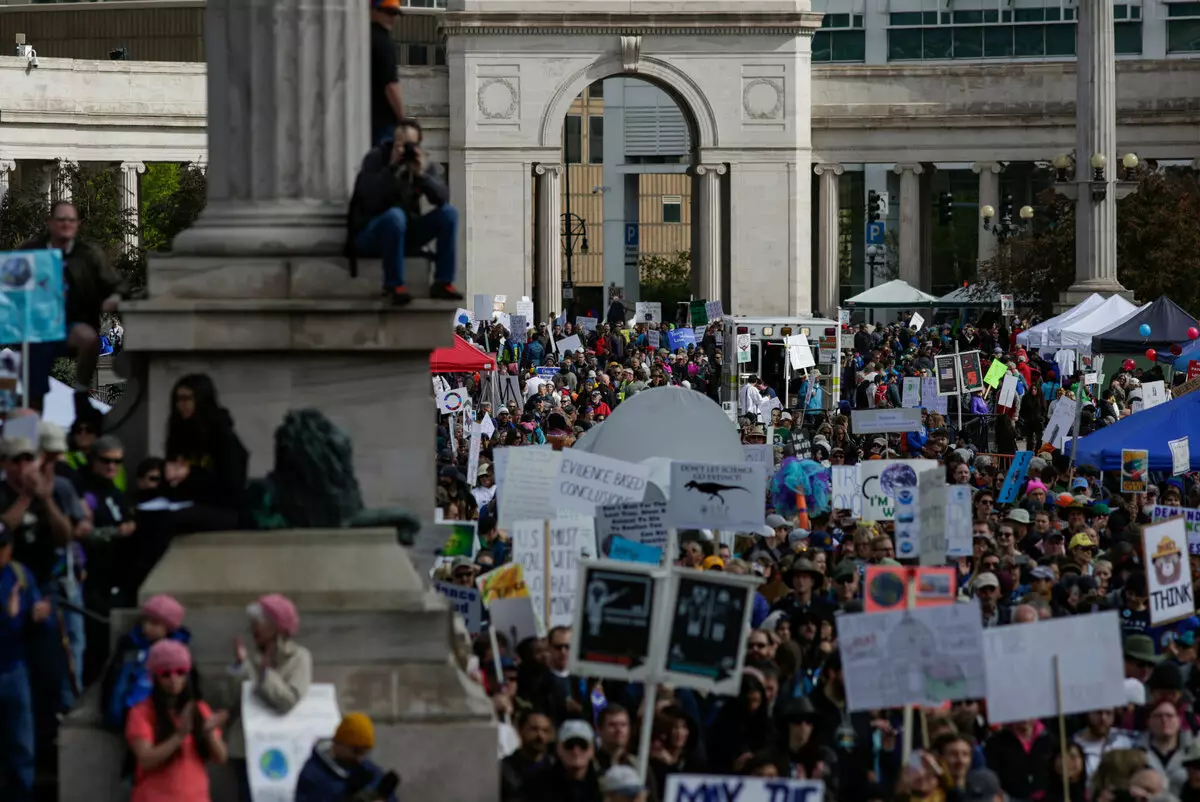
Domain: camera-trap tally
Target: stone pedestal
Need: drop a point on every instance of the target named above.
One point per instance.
(373, 631)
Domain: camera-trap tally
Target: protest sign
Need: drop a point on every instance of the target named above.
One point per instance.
(1191, 522)
(647, 312)
(277, 747)
(1020, 678)
(911, 397)
(586, 324)
(946, 373)
(1061, 423)
(459, 539)
(569, 344)
(32, 297)
(930, 399)
(1008, 392)
(463, 317)
(1181, 455)
(1135, 470)
(879, 482)
(720, 788)
(844, 489)
(473, 453)
(530, 498)
(1014, 480)
(549, 552)
(519, 328)
(715, 310)
(698, 312)
(614, 623)
(680, 338)
(800, 354)
(644, 523)
(525, 309)
(916, 321)
(886, 587)
(715, 496)
(481, 307)
(629, 551)
(931, 517)
(959, 515)
(742, 344)
(1165, 545)
(925, 656)
(515, 618)
(586, 481)
(906, 534)
(761, 455)
(1193, 369)
(1007, 305)
(995, 373)
(465, 601)
(710, 617)
(885, 421)
(652, 338)
(547, 372)
(505, 582)
(1153, 394)
(453, 401)
(971, 371)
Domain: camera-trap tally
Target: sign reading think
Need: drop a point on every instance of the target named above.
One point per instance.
(720, 788)
(465, 601)
(715, 496)
(586, 481)
(1170, 580)
(614, 623)
(710, 617)
(885, 421)
(644, 523)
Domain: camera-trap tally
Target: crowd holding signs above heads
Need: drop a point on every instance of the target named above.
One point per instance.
(705, 600)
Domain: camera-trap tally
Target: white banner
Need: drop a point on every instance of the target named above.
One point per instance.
(277, 747)
(885, 421)
(586, 481)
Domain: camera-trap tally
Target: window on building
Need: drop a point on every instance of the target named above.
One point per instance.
(1183, 28)
(596, 91)
(596, 139)
(573, 139)
(672, 209)
(840, 38)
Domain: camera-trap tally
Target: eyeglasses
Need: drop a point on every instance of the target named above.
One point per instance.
(845, 580)
(109, 460)
(986, 502)
(576, 744)
(175, 672)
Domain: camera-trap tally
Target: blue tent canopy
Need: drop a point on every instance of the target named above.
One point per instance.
(1149, 429)
(1191, 350)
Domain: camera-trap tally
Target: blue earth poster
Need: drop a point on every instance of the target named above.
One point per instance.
(32, 298)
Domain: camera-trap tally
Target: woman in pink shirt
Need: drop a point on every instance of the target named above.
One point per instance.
(173, 734)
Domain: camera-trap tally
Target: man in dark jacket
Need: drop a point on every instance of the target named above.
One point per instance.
(574, 775)
(91, 286)
(340, 770)
(386, 219)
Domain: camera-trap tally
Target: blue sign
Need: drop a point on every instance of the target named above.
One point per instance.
(32, 298)
(680, 338)
(875, 232)
(545, 372)
(1015, 478)
(629, 551)
(631, 235)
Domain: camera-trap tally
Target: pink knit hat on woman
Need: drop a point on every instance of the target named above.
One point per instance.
(164, 609)
(168, 656)
(282, 613)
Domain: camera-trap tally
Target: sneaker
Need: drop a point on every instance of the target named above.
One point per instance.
(445, 292)
(400, 296)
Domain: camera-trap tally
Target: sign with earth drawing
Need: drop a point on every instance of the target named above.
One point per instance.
(883, 484)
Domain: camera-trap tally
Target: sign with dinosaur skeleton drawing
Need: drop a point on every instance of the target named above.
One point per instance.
(714, 496)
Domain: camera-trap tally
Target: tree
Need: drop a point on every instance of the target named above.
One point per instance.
(1158, 243)
(173, 195)
(666, 279)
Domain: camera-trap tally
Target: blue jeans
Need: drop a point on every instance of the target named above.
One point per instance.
(16, 736)
(392, 235)
(46, 650)
(76, 637)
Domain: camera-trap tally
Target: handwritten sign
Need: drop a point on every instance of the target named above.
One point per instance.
(884, 421)
(880, 482)
(465, 601)
(715, 496)
(586, 481)
(653, 338)
(844, 489)
(644, 523)
(1166, 548)
(550, 555)
(681, 338)
(705, 788)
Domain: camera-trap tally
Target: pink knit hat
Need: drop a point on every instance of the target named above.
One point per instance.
(164, 609)
(168, 656)
(1035, 484)
(282, 613)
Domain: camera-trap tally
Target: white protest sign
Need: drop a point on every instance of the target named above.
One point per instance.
(527, 498)
(498, 302)
(586, 324)
(473, 454)
(715, 496)
(652, 338)
(1181, 455)
(569, 344)
(1153, 394)
(551, 563)
(761, 455)
(465, 602)
(463, 317)
(925, 656)
(277, 747)
(1170, 580)
(1191, 519)
(930, 399)
(525, 309)
(911, 397)
(881, 481)
(916, 322)
(1060, 423)
(931, 517)
(727, 788)
(714, 311)
(1007, 305)
(641, 522)
(481, 307)
(504, 319)
(844, 489)
(742, 344)
(799, 353)
(453, 401)
(586, 481)
(959, 514)
(516, 619)
(647, 312)
(1020, 659)
(885, 421)
(1008, 392)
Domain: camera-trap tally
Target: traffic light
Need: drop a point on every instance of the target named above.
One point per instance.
(1006, 208)
(945, 208)
(874, 206)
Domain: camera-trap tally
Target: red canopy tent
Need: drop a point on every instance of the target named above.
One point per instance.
(462, 357)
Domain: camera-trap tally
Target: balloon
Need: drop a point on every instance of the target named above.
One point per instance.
(1144, 329)
(1193, 333)
(1151, 354)
(1176, 350)
(1129, 364)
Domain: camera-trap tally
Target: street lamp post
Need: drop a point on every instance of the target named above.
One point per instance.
(1006, 227)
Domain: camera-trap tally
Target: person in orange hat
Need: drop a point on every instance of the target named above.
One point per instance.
(340, 769)
(387, 106)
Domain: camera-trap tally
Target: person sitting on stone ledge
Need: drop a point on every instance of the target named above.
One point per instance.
(127, 682)
(386, 219)
(341, 769)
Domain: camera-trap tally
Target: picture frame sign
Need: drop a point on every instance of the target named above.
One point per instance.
(615, 620)
(706, 634)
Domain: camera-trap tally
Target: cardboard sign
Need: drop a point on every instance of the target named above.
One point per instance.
(647, 312)
(927, 656)
(614, 621)
(453, 401)
(885, 421)
(465, 601)
(1014, 480)
(550, 553)
(995, 373)
(715, 496)
(881, 481)
(1135, 470)
(1181, 455)
(886, 587)
(644, 523)
(586, 481)
(972, 371)
(706, 639)
(911, 396)
(705, 788)
(946, 373)
(1170, 579)
(1191, 522)
(1020, 677)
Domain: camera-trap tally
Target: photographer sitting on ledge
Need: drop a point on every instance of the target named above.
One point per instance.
(386, 219)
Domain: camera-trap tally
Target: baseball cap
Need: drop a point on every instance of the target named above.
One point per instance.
(982, 786)
(622, 781)
(51, 437)
(1018, 515)
(19, 446)
(576, 729)
(1042, 572)
(1082, 540)
(987, 580)
(775, 521)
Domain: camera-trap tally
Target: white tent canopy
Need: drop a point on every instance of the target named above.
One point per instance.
(893, 293)
(1077, 334)
(1035, 336)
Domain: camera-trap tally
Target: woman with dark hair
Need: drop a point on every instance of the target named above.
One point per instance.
(673, 747)
(742, 728)
(173, 733)
(206, 462)
(1056, 767)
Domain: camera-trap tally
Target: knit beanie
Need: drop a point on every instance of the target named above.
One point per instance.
(168, 656)
(165, 610)
(356, 731)
(282, 613)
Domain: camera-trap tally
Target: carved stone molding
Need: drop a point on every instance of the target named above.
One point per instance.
(631, 52)
(762, 98)
(704, 169)
(992, 167)
(498, 98)
(915, 169)
(553, 170)
(835, 169)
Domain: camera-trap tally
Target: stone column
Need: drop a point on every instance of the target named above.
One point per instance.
(1095, 132)
(828, 262)
(130, 206)
(288, 103)
(7, 167)
(549, 232)
(989, 195)
(910, 222)
(708, 276)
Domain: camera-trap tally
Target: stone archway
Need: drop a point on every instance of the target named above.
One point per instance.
(743, 79)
